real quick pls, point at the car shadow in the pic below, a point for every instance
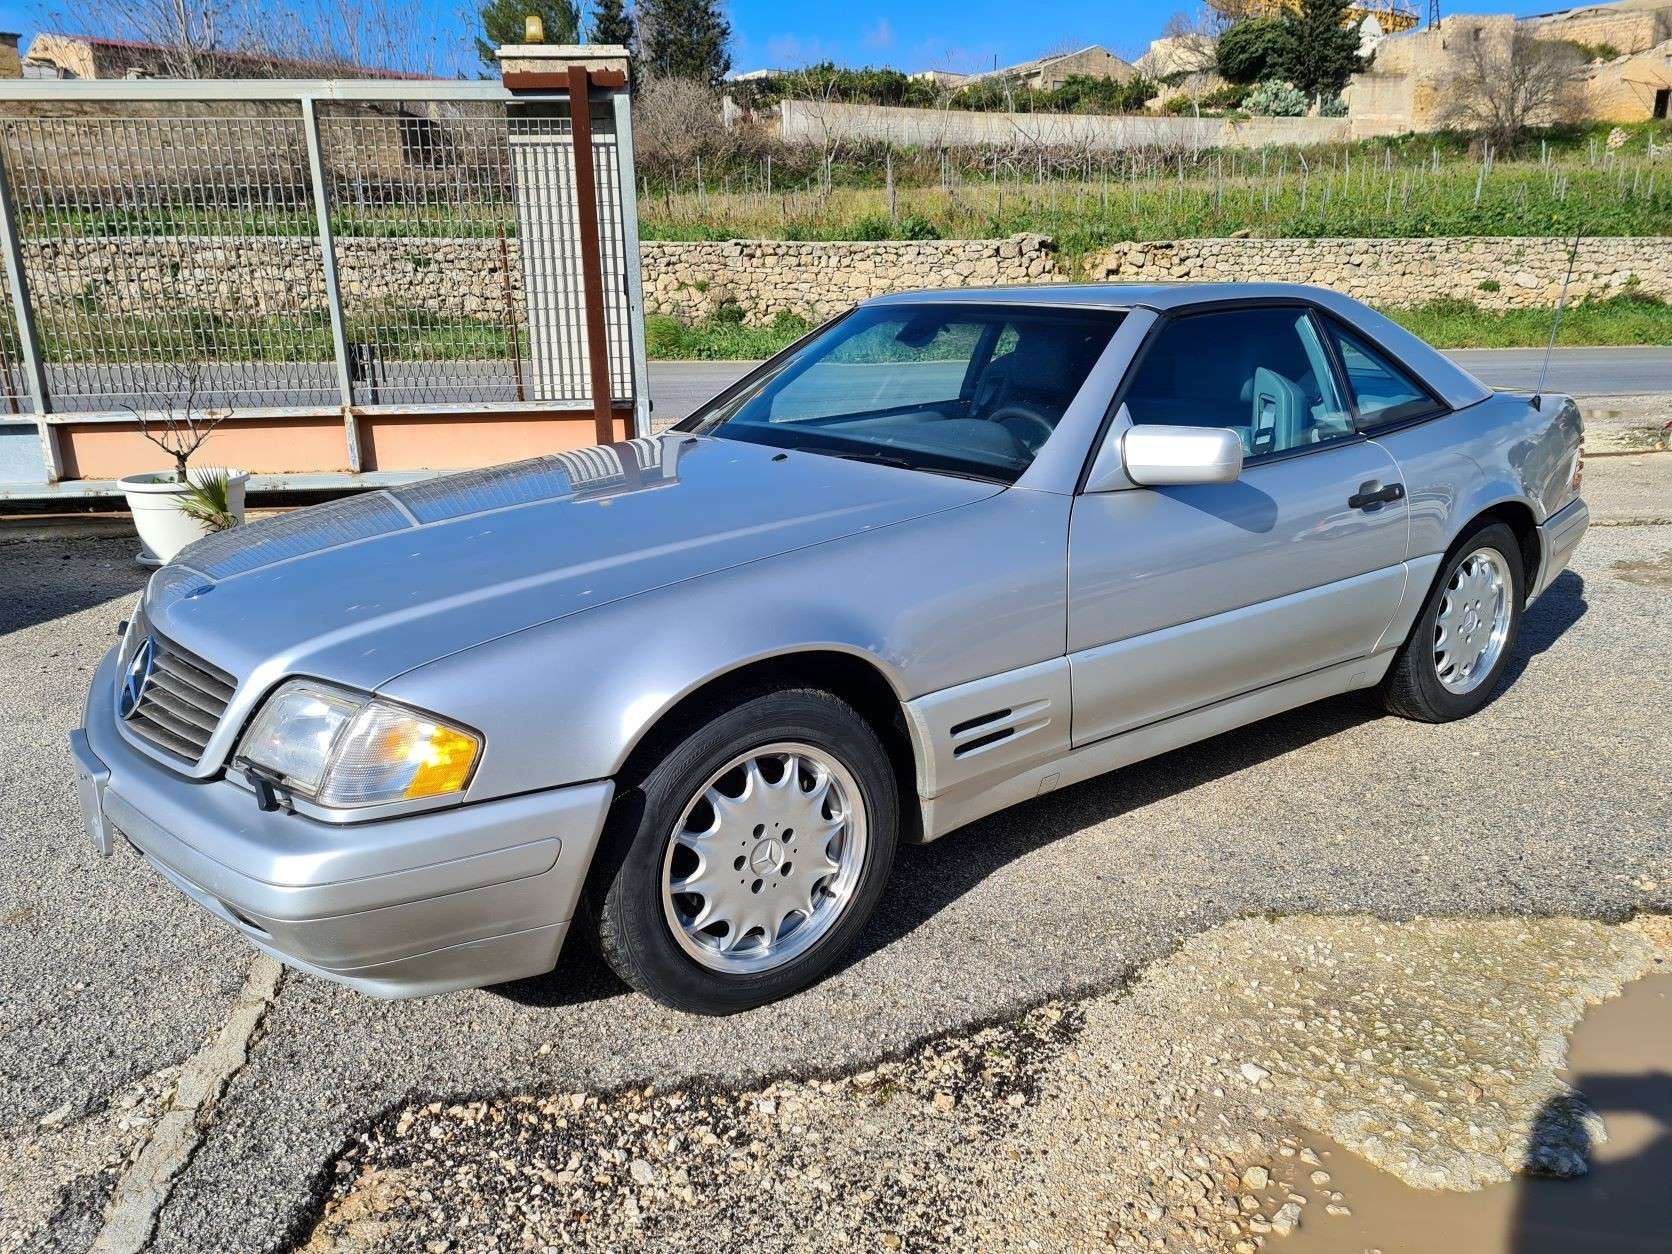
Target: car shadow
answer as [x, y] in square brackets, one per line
[1619, 1205]
[45, 580]
[1561, 606]
[929, 878]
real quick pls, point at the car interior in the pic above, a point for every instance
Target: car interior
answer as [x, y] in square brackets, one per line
[1263, 373]
[980, 385]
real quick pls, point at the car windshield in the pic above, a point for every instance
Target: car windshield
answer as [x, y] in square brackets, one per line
[951, 388]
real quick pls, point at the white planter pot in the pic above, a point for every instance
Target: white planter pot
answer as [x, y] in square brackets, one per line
[154, 500]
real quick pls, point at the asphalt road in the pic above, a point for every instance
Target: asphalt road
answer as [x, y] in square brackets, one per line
[1552, 800]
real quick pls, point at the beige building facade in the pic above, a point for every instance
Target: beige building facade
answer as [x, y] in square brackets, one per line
[1405, 88]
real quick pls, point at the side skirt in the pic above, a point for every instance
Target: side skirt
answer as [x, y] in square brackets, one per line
[958, 806]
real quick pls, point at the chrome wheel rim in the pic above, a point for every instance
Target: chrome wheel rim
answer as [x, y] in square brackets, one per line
[1473, 622]
[765, 858]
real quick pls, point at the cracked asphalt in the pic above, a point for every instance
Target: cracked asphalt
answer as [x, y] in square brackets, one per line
[1551, 801]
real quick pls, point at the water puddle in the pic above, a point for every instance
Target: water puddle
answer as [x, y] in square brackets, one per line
[1620, 1060]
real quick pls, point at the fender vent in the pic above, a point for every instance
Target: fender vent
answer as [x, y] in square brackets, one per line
[975, 734]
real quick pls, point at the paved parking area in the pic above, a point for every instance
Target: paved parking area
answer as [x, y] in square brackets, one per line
[1553, 800]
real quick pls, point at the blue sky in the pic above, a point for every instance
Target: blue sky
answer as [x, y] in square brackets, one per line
[918, 34]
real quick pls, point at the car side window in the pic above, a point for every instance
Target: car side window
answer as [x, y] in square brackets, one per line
[1382, 391]
[1262, 372]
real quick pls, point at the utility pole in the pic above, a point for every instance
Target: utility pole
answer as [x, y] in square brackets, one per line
[1433, 14]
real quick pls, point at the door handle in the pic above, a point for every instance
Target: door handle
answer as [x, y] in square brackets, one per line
[1369, 496]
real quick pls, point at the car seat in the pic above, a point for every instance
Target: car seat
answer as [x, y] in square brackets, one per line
[1279, 413]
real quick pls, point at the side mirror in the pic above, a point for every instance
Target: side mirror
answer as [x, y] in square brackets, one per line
[1160, 456]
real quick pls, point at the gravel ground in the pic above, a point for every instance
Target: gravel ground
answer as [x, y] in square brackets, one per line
[1148, 1116]
[1547, 803]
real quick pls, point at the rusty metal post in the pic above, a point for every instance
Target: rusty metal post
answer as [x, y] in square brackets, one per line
[592, 254]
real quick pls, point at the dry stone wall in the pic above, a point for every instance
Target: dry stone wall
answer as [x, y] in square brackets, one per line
[270, 275]
[815, 280]
[276, 276]
[1494, 272]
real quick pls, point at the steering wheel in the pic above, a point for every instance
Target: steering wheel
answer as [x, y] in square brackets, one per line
[1027, 416]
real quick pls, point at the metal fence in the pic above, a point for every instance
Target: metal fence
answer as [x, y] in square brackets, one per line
[282, 246]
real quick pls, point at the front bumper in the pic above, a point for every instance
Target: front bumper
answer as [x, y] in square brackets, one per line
[1558, 537]
[401, 907]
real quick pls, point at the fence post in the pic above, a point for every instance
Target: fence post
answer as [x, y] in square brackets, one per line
[23, 311]
[632, 271]
[328, 249]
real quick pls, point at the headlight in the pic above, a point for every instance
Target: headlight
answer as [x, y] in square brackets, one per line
[341, 748]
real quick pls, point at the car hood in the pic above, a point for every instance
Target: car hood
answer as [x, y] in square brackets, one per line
[361, 589]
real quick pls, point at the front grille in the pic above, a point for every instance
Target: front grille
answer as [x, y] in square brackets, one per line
[182, 701]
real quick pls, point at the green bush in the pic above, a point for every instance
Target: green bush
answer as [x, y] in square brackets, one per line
[1252, 50]
[1230, 96]
[916, 226]
[873, 226]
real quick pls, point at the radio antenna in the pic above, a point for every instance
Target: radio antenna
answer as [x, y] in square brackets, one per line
[1556, 322]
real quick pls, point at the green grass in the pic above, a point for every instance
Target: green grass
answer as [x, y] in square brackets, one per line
[1627, 319]
[1365, 200]
[75, 335]
[668, 339]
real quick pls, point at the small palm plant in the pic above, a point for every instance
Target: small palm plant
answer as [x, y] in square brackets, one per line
[206, 500]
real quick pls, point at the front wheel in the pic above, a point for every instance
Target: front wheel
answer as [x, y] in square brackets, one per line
[1463, 638]
[746, 861]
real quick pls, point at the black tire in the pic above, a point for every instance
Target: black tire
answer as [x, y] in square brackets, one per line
[630, 925]
[1412, 687]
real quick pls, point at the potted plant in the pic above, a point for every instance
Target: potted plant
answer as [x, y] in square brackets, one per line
[171, 508]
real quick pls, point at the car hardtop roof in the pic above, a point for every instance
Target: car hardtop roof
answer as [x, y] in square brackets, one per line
[1453, 384]
[1157, 296]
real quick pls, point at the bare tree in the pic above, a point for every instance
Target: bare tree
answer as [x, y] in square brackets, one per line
[676, 122]
[180, 427]
[261, 38]
[1500, 87]
[186, 35]
[1193, 35]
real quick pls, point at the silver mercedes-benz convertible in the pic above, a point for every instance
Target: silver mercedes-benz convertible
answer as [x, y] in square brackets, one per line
[949, 552]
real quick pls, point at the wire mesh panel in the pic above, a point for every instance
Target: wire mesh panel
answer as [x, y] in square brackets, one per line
[170, 257]
[427, 252]
[543, 157]
[14, 387]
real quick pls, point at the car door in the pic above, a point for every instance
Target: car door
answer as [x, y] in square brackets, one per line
[1183, 596]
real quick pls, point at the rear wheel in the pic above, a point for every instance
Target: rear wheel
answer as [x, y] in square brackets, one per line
[746, 861]
[1463, 638]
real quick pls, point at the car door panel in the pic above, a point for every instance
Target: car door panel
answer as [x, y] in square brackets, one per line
[1183, 596]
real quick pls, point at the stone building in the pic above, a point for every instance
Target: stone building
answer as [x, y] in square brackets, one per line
[1624, 26]
[1049, 73]
[55, 55]
[1404, 89]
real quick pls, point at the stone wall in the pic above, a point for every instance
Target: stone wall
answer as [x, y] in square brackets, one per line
[1493, 272]
[1634, 29]
[815, 280]
[270, 275]
[277, 276]
[821, 122]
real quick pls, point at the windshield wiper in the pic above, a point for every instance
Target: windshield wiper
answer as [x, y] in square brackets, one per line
[905, 463]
